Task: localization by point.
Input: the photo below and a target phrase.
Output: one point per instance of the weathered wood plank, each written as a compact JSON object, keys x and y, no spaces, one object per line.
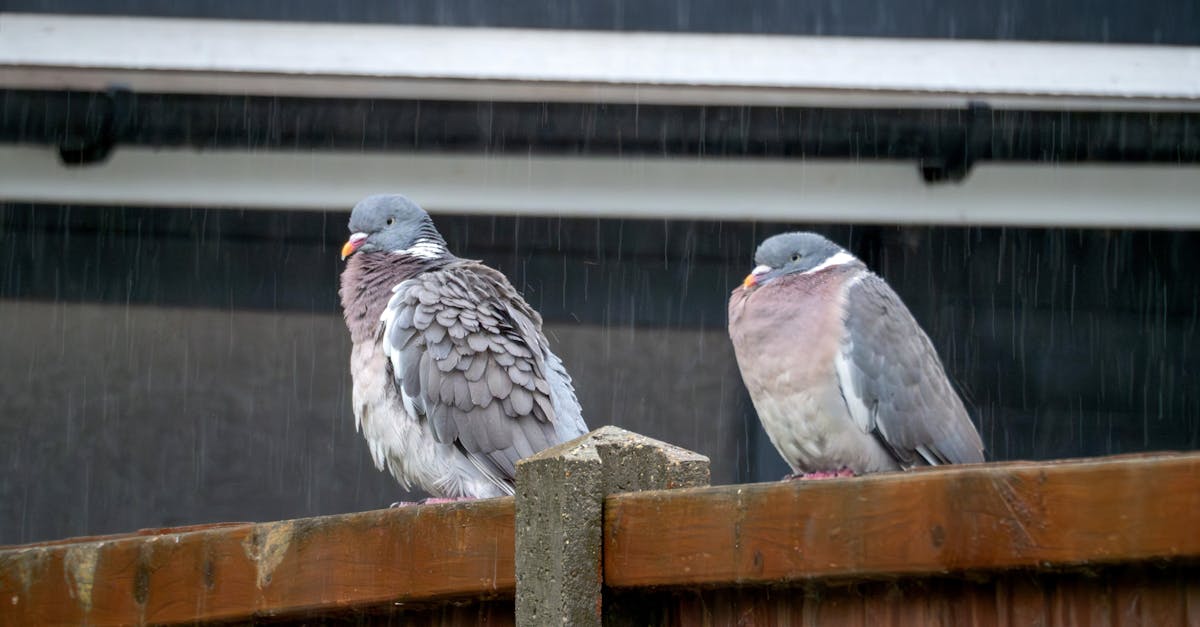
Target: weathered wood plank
{"x":983,"y":517}
{"x":330,"y":563}
{"x":779,"y":554}
{"x":927,"y":602}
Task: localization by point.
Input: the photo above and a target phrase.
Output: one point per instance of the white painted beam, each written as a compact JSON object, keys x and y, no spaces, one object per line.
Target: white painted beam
{"x":376,"y":61}
{"x":1139,"y":196}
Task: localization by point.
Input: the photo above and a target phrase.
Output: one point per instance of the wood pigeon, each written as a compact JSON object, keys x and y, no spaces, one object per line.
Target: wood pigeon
{"x":843,"y":379}
{"x":453,"y":379}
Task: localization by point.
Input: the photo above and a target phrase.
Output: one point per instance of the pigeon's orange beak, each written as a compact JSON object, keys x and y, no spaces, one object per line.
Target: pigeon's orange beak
{"x":751,"y":279}
{"x":352,"y":244}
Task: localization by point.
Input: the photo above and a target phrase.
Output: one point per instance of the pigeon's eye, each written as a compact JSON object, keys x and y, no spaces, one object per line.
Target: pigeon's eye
{"x":795,"y":257}
{"x":391,"y":221}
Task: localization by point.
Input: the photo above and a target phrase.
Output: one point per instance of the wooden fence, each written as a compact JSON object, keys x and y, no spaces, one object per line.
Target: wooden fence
{"x":1110,"y":541}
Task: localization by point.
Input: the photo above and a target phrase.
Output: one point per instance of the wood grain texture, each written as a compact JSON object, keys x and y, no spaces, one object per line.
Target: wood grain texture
{"x":457,"y":613}
{"x":1096,"y":542}
{"x":376,"y":559}
{"x":946,"y":520}
{"x":1010,"y":599}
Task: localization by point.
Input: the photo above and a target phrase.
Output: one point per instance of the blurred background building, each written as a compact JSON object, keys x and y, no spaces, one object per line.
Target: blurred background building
{"x":175,"y":179}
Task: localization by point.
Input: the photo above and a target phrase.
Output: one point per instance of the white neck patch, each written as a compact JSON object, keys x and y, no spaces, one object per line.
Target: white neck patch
{"x":424,"y":249}
{"x":841,"y":258}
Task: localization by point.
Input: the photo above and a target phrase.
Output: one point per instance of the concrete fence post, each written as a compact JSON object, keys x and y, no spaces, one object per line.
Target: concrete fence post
{"x":560,"y":513}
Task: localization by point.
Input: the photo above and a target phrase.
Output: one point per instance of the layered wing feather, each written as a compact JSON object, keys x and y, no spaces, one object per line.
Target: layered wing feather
{"x":894,"y":384}
{"x":469,"y":356}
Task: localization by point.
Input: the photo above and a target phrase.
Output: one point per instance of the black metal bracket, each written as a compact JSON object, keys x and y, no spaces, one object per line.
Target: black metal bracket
{"x":94,"y":145}
{"x":951,"y":159}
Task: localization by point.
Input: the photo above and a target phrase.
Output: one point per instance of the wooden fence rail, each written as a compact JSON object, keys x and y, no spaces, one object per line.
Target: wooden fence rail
{"x":369,"y":562}
{"x":970,"y":518}
{"x":1110,"y":541}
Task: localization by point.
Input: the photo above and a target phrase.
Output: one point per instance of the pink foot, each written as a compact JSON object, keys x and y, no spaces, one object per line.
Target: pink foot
{"x":433,"y":500}
{"x":821,"y":474}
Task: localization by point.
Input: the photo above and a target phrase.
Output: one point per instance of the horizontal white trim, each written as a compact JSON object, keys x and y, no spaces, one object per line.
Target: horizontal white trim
{"x":339,"y":60}
{"x":711,"y":189}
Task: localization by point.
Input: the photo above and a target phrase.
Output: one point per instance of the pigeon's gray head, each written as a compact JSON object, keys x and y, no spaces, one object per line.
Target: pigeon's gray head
{"x":394,"y":224}
{"x":791,"y":253}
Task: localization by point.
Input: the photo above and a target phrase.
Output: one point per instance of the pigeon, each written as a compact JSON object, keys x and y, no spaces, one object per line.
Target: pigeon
{"x":453,"y":379}
{"x":843,"y":379}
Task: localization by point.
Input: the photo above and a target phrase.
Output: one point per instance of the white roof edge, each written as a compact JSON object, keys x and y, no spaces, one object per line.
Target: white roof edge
{"x":993,"y":194}
{"x":388,"y":61}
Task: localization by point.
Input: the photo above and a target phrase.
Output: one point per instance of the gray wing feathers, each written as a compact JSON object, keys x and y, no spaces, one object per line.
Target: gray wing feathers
{"x":569,"y":424}
{"x":469,"y":356}
{"x":894,"y":383}
{"x":558,"y":394}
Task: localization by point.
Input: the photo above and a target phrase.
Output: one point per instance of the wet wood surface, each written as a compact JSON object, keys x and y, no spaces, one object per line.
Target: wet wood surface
{"x":1112,"y":541}
{"x":950,"y":520}
{"x":371,"y":561}
{"x":1121,"y":596}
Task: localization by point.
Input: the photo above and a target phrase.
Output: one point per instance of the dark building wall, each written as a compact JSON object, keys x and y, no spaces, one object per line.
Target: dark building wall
{"x":1148,"y":21}
{"x":622,"y":130}
{"x":172,"y":366}
{"x":122,"y":417}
